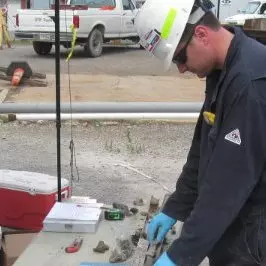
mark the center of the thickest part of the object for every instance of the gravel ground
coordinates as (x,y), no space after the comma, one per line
(103,154)
(105,151)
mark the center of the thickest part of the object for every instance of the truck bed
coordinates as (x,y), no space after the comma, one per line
(256,28)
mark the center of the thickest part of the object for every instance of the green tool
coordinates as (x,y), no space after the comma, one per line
(114,214)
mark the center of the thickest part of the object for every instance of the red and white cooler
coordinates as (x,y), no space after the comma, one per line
(26,198)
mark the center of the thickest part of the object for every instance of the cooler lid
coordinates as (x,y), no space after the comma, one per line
(30,181)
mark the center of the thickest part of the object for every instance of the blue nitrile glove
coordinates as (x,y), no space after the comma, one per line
(164,260)
(160,224)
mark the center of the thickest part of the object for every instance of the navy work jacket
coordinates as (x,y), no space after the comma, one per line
(225,173)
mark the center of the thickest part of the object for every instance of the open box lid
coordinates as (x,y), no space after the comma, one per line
(34,183)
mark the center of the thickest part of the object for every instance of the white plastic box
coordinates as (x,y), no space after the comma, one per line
(73,218)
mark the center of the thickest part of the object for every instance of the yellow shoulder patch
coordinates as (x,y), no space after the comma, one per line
(209,118)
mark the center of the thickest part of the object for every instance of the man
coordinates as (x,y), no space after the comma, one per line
(221,193)
(4,36)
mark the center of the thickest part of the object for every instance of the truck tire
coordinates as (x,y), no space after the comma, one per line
(42,48)
(94,45)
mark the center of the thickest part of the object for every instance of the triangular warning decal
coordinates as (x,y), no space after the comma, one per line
(234,137)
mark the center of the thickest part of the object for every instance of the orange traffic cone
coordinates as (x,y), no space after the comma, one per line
(17,76)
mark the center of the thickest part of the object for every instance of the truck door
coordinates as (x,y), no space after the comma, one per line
(128,14)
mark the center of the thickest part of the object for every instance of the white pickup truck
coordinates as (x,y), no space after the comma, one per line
(96,21)
(254,9)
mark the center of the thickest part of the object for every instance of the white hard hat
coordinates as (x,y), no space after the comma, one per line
(161,23)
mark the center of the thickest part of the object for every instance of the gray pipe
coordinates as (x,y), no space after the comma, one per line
(103,107)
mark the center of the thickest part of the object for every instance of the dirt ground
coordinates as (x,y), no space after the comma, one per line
(85,88)
(120,74)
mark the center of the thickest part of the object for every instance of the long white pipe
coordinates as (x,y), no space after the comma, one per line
(102,107)
(111,116)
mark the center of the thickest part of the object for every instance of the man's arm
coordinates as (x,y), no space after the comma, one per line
(181,202)
(234,170)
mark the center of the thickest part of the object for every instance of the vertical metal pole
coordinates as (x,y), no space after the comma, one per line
(58,98)
(218,9)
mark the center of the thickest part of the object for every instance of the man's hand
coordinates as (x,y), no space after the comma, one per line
(160,223)
(164,260)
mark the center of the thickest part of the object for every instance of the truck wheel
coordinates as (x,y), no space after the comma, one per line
(42,48)
(94,45)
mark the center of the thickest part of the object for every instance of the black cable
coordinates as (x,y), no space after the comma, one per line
(58,97)
(218,9)
(73,160)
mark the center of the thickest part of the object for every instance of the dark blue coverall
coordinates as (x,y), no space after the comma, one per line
(221,193)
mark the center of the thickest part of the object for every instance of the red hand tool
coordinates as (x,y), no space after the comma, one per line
(75,246)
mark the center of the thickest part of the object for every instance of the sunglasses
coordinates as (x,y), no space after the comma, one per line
(181,57)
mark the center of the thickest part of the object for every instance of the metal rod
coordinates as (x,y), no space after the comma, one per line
(103,107)
(58,97)
(218,9)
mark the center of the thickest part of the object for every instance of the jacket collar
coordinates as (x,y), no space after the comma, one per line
(230,57)
(233,49)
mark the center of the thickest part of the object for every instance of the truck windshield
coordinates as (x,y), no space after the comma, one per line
(250,8)
(93,3)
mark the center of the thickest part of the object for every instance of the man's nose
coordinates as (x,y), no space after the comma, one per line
(182,68)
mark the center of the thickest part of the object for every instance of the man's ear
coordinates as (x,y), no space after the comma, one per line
(201,33)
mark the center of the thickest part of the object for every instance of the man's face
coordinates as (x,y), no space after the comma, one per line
(196,55)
